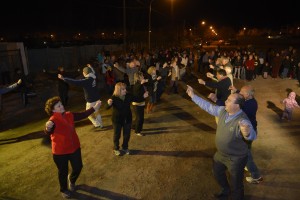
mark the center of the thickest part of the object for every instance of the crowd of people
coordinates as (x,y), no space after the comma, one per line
(135,83)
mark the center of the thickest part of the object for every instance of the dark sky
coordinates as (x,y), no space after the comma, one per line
(92,15)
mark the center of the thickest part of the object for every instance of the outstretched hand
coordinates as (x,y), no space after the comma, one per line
(146,94)
(190,91)
(245,128)
(60,76)
(97,105)
(209,75)
(201,81)
(232,88)
(49,125)
(109,102)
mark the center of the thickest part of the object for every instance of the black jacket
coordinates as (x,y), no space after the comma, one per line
(121,113)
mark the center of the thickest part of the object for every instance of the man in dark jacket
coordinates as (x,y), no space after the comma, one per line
(62,86)
(91,93)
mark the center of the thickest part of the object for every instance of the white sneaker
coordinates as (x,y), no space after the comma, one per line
(100,126)
(249,179)
(246,169)
(117,152)
(140,134)
(126,151)
(66,194)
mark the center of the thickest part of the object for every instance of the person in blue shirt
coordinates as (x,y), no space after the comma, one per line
(9,88)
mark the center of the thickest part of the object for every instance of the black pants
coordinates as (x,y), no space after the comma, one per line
(117,135)
(24,96)
(139,118)
(173,86)
(62,162)
(64,97)
(5,76)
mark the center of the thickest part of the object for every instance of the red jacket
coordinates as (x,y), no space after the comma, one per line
(250,64)
(64,138)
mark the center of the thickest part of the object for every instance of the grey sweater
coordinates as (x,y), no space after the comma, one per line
(229,140)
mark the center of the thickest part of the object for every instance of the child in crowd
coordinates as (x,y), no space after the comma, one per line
(265,69)
(289,104)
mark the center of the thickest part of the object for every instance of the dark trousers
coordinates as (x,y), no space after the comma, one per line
(24,98)
(117,135)
(249,75)
(62,162)
(139,118)
(161,88)
(235,165)
(173,86)
(5,76)
(64,97)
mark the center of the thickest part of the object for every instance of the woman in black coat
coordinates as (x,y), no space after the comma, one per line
(121,116)
(138,91)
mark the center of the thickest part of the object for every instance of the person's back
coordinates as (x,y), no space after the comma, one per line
(222,87)
(91,93)
(90,89)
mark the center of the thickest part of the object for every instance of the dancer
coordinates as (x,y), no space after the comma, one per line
(121,116)
(65,141)
(91,93)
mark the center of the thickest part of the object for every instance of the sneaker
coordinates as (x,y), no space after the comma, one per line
(249,179)
(140,134)
(66,194)
(72,186)
(117,152)
(126,151)
(246,169)
(99,127)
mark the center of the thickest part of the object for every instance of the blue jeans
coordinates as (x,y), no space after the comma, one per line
(284,72)
(252,168)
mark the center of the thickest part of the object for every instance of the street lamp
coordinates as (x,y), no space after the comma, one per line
(149,26)
(172,9)
(124,26)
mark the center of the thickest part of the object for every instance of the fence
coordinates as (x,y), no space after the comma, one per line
(68,57)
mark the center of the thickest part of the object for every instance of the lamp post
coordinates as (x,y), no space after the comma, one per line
(149,26)
(172,10)
(124,26)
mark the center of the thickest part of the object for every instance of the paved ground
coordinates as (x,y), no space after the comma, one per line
(173,160)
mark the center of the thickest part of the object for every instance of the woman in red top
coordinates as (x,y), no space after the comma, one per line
(65,141)
(250,68)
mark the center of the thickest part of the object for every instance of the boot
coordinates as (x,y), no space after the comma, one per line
(152,107)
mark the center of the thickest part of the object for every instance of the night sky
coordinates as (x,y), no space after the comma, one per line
(20,16)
